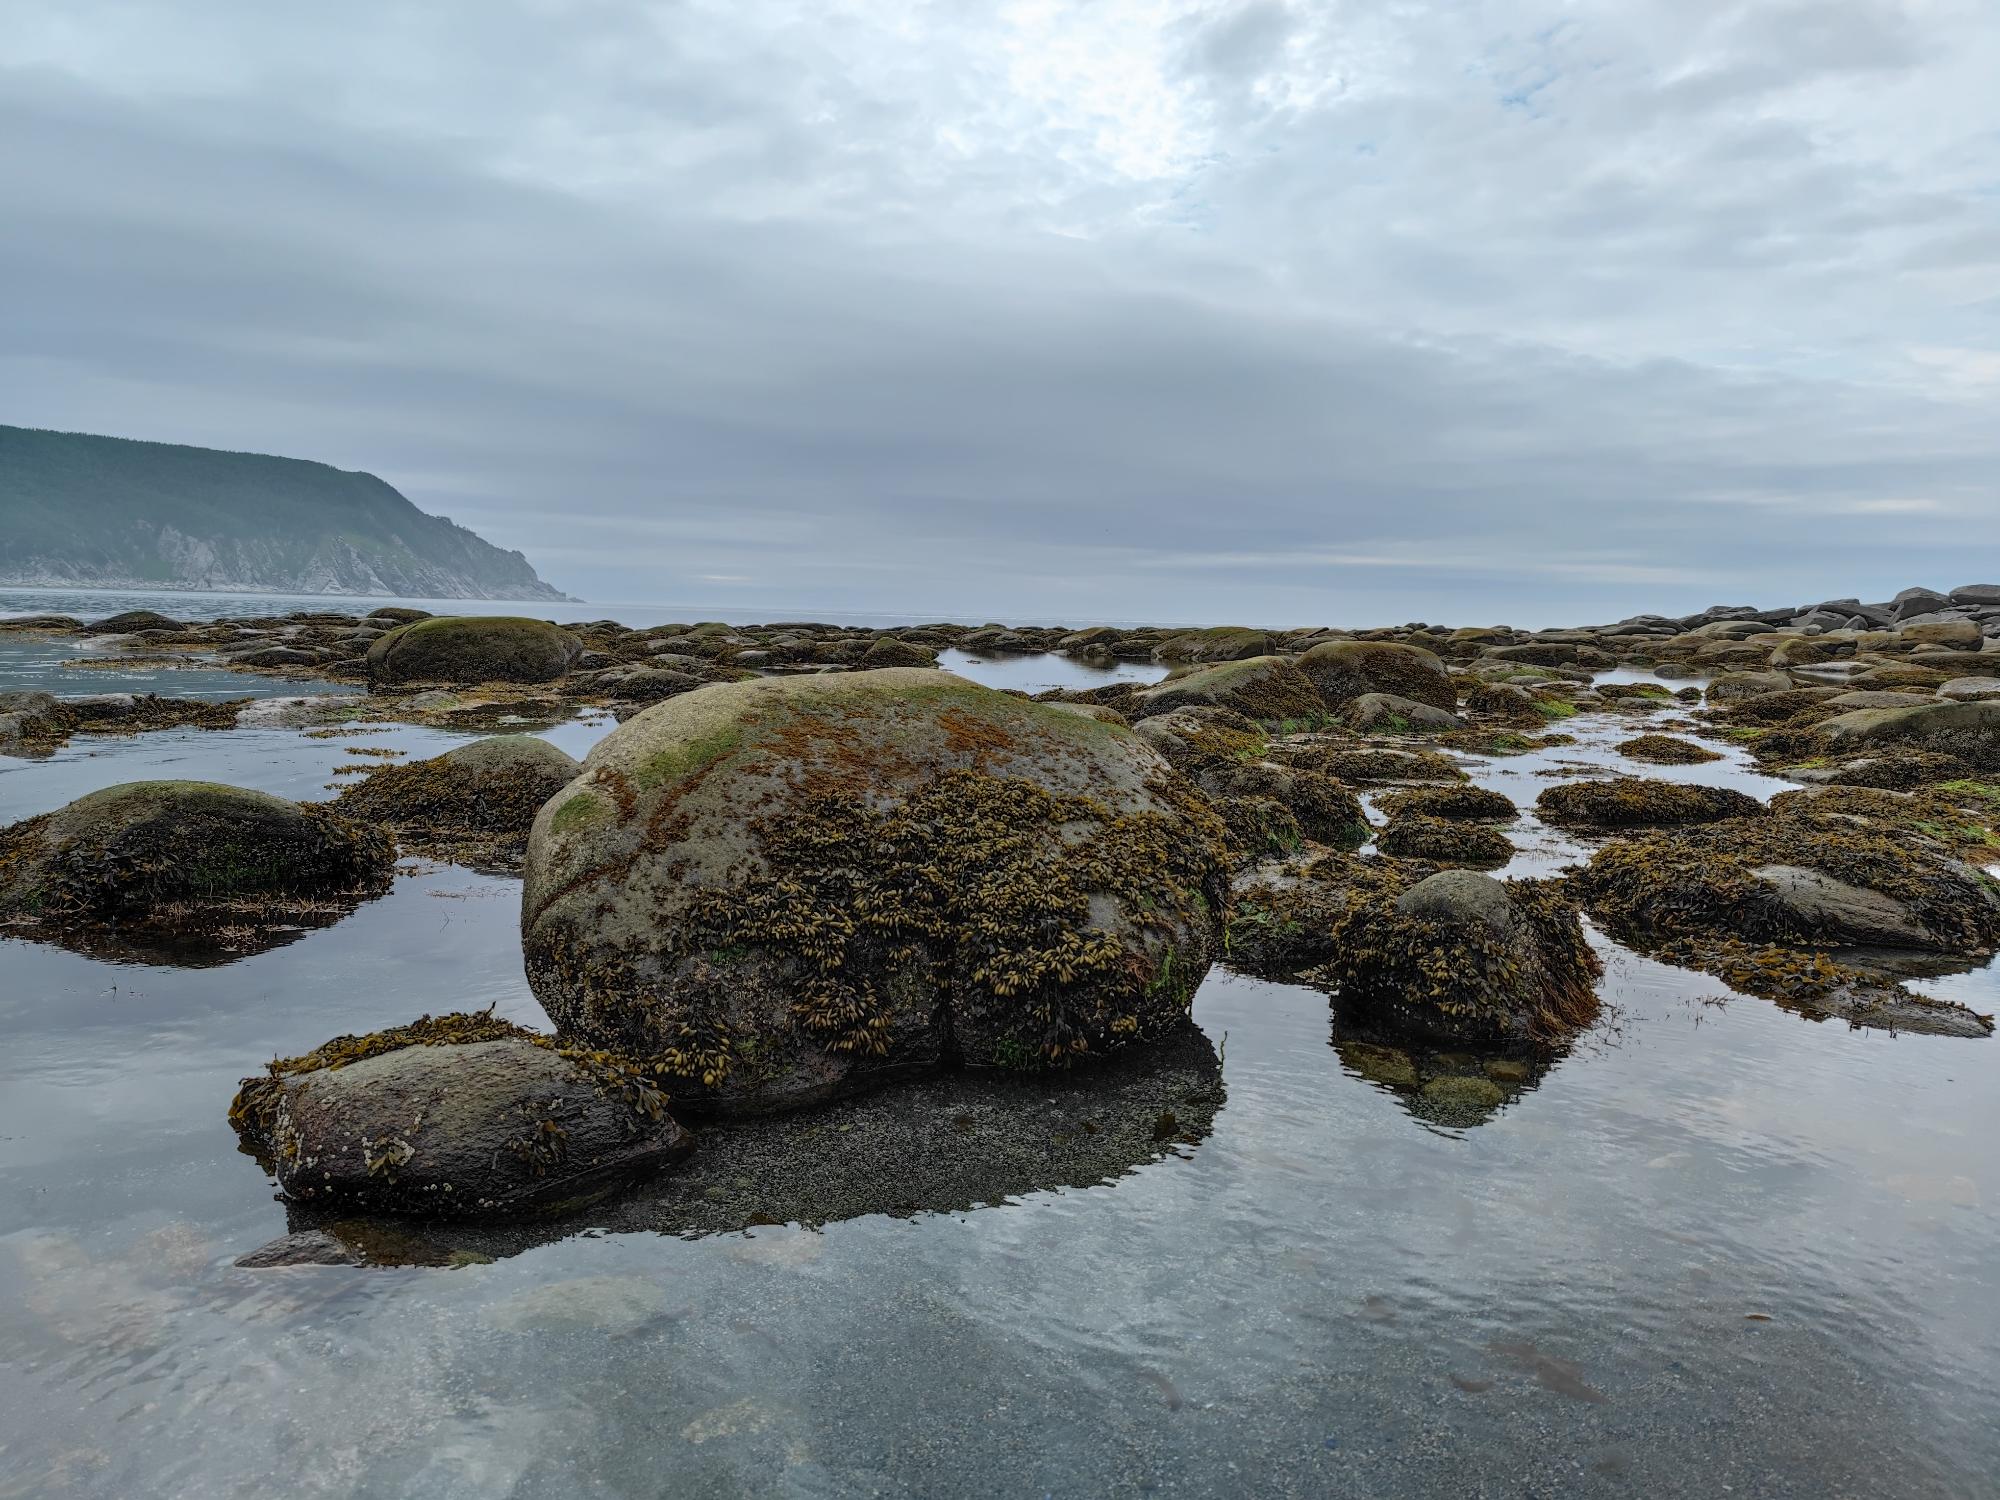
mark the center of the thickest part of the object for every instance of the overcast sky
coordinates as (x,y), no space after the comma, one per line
(1347,312)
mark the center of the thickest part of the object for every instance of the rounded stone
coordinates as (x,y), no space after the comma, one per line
(789,888)
(468,649)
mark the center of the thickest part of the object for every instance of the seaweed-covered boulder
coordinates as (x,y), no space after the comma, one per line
(1217,643)
(457,1116)
(176,861)
(1344,670)
(1464,801)
(1741,687)
(1665,750)
(1323,810)
(1798,877)
(1444,841)
(1970,732)
(791,888)
(1359,766)
(468,649)
(1386,713)
(1282,912)
(474,804)
(888,651)
(31,723)
(1460,956)
(1635,802)
(1265,688)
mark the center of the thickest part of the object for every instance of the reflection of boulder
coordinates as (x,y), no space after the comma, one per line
(942,1144)
(184,872)
(1456,1089)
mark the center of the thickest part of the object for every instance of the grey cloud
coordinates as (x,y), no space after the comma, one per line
(947,323)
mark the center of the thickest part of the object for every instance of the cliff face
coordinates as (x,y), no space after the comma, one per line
(90,511)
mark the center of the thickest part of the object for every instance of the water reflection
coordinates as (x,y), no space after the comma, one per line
(1448,1089)
(936,1145)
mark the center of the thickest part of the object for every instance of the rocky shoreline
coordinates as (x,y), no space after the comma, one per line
(810,869)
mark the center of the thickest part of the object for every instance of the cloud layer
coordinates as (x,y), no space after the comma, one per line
(1333,312)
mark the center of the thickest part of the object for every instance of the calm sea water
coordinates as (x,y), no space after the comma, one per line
(1717,1249)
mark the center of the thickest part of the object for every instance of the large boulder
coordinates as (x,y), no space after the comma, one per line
(1345,670)
(474,804)
(469,649)
(458,1116)
(182,857)
(791,888)
(1265,688)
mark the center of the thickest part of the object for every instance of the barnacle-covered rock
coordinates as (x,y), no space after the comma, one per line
(1635,802)
(1460,956)
(468,649)
(791,888)
(455,1116)
(184,870)
(474,804)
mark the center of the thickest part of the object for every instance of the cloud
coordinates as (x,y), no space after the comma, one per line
(1136,310)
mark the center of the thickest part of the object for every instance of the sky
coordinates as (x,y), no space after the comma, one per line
(1467,311)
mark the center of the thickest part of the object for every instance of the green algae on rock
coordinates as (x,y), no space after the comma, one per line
(171,863)
(469,649)
(791,888)
(455,1116)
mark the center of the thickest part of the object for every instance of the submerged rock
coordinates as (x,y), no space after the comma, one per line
(182,865)
(470,649)
(790,888)
(474,804)
(1634,802)
(458,1116)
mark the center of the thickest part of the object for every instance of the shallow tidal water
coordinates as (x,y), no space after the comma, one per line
(1716,1249)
